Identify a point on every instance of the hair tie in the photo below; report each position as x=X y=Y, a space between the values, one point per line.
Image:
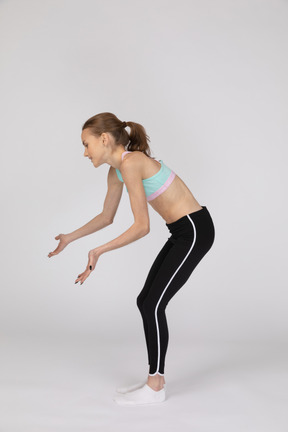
x=124 y=124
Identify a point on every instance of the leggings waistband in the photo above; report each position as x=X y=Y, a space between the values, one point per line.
x=183 y=225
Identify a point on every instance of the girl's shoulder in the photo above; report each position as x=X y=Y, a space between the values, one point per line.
x=136 y=154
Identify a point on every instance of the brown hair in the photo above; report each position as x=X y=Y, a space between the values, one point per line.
x=108 y=122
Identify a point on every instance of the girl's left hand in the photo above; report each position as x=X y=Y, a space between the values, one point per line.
x=93 y=257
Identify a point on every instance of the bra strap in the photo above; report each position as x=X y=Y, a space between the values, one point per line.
x=125 y=153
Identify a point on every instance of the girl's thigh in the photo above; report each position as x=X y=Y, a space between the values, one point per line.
x=174 y=271
x=154 y=269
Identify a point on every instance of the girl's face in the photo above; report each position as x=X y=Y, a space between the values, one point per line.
x=93 y=147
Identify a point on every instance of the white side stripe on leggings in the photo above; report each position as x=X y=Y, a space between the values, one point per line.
x=157 y=326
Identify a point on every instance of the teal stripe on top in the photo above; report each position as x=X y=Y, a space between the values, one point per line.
x=152 y=184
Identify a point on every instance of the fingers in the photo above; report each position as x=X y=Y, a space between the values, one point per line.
x=83 y=276
x=89 y=268
x=59 y=248
x=55 y=252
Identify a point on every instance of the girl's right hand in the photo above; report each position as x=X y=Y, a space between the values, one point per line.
x=62 y=244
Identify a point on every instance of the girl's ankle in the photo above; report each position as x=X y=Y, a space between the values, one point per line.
x=156 y=387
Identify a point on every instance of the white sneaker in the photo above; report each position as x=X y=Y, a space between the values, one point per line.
x=144 y=395
x=130 y=388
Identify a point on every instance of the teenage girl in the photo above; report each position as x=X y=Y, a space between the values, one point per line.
x=146 y=179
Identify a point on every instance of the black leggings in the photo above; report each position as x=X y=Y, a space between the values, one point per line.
x=192 y=237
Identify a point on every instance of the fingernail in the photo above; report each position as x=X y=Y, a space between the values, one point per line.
x=76 y=282
x=90 y=267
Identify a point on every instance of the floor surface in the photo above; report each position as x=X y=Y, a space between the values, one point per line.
x=52 y=385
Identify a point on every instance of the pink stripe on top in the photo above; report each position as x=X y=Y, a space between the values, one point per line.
x=163 y=187
x=153 y=178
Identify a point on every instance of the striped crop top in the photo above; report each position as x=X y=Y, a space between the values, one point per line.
x=155 y=185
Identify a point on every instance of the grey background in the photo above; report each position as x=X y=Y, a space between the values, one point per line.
x=208 y=81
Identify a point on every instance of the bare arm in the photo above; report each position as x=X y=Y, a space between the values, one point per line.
x=100 y=221
x=131 y=173
x=97 y=223
x=106 y=217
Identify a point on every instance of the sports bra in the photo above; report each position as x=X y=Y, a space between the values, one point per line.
x=157 y=184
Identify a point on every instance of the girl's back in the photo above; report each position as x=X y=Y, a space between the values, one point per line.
x=174 y=201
